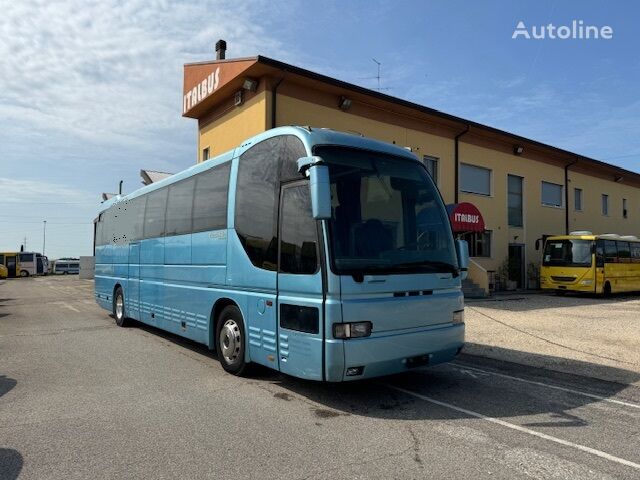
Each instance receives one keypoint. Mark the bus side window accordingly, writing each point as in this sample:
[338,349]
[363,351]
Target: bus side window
[610,251]
[600,254]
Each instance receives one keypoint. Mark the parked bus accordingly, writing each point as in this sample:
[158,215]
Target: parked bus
[32,263]
[320,254]
[583,262]
[65,267]
[11,260]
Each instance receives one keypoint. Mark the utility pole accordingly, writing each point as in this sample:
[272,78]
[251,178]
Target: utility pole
[44,236]
[25,244]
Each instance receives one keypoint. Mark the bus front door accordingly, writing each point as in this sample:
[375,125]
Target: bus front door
[300,294]
[11,262]
[133,294]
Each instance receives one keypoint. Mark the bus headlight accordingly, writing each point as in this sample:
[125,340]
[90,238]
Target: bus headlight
[458,316]
[352,330]
[586,282]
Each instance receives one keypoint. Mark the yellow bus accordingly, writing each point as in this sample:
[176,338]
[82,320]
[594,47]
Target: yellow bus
[11,260]
[583,262]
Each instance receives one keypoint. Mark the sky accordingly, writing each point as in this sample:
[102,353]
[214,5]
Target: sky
[91,92]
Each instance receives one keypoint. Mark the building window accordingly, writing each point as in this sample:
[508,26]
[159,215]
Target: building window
[432,166]
[624,208]
[551,194]
[514,200]
[605,204]
[479,243]
[577,199]
[475,179]
[205,154]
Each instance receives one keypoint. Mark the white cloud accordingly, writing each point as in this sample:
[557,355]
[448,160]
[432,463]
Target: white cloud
[111,71]
[29,191]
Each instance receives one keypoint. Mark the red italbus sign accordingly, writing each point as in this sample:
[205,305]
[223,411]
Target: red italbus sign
[465,217]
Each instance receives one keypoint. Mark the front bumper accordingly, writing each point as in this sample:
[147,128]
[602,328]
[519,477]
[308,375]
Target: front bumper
[394,352]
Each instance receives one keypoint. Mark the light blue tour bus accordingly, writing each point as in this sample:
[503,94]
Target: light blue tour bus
[321,254]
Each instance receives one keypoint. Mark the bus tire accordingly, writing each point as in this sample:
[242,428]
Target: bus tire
[24,273]
[606,290]
[230,340]
[118,308]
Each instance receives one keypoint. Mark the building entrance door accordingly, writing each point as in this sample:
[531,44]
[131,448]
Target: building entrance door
[516,264]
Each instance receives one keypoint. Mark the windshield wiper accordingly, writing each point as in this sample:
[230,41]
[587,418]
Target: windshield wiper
[437,265]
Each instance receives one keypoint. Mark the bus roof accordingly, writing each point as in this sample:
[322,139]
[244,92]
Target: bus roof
[604,236]
[309,136]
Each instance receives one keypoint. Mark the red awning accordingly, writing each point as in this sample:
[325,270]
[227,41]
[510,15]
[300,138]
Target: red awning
[465,217]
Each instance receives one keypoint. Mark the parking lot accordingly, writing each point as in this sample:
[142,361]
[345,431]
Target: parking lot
[80,397]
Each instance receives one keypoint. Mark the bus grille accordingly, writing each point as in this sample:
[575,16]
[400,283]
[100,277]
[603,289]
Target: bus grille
[563,279]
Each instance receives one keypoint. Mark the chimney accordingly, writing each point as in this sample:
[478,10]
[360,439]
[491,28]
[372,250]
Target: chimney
[221,49]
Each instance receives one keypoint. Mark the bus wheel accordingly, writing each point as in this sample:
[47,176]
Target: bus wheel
[24,273]
[118,308]
[606,291]
[230,340]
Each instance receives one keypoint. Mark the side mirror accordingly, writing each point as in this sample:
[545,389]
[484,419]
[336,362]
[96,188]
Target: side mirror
[538,243]
[462,251]
[319,187]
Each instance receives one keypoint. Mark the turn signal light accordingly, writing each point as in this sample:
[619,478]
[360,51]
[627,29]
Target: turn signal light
[458,316]
[352,330]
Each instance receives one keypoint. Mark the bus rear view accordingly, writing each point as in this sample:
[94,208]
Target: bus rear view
[330,257]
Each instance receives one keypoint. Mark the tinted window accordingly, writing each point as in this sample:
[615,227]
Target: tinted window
[475,179]
[99,225]
[624,254]
[26,257]
[210,201]
[635,252]
[605,204]
[257,193]
[136,217]
[1,259]
[179,205]
[154,213]
[292,150]
[610,251]
[387,215]
[107,228]
[298,243]
[127,220]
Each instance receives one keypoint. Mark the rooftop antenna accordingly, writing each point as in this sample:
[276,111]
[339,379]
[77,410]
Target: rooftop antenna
[377,76]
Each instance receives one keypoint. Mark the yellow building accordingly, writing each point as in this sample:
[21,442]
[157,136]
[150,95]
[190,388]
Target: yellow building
[524,189]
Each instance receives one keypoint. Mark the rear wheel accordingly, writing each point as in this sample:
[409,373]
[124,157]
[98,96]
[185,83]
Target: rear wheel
[24,273]
[118,308]
[230,340]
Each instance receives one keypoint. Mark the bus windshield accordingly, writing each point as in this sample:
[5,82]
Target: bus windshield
[387,216]
[568,253]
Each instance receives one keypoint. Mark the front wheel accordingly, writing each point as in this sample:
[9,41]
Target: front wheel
[606,291]
[118,308]
[230,344]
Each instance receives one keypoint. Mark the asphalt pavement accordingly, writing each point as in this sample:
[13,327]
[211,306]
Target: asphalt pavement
[83,398]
